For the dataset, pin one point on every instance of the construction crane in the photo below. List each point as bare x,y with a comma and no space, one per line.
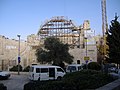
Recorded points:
104,25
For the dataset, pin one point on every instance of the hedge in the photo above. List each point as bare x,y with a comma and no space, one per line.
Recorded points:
15,68
2,87
94,66
26,69
84,79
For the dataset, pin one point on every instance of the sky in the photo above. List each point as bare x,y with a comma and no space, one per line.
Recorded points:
24,17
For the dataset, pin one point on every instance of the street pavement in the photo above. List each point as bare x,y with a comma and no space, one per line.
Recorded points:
16,82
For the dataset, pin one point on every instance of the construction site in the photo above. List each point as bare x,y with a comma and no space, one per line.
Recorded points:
80,38
81,41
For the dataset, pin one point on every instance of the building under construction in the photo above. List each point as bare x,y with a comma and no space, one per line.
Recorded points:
79,38
64,29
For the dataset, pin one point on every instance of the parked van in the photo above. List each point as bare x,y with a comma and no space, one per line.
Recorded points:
38,72
73,67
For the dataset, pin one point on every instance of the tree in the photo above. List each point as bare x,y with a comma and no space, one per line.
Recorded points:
41,55
113,41
54,51
100,51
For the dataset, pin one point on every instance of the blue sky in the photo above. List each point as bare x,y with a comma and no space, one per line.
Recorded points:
24,17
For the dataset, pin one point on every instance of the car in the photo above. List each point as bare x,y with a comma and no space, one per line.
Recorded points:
73,68
4,74
112,68
115,74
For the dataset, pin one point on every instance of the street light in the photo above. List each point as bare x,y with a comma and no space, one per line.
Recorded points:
86,57
86,45
19,56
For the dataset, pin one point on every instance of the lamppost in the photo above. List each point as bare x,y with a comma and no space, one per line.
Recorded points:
86,56
19,56
86,45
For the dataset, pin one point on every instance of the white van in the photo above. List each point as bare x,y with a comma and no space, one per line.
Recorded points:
73,68
38,72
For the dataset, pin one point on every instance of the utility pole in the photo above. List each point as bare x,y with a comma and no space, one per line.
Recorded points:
19,55
86,58
2,65
86,47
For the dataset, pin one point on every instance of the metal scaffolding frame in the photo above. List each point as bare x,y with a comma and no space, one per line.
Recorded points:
62,28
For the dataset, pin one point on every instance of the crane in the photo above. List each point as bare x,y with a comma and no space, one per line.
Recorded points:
104,24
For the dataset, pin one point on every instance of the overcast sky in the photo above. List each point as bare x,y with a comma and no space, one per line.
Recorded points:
24,17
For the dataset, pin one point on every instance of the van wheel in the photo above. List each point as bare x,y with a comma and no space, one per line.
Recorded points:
59,78
39,79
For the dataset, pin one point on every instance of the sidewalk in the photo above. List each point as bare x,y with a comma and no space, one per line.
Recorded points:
115,85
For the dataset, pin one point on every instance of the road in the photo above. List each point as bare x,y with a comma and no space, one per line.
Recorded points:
16,82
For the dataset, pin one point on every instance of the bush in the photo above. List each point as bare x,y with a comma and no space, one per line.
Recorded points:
2,87
26,69
15,68
84,79
94,66
44,85
87,79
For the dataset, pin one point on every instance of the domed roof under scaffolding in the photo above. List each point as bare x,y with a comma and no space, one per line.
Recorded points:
62,28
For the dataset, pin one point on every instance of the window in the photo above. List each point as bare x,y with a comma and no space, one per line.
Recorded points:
59,70
78,61
44,70
71,68
37,70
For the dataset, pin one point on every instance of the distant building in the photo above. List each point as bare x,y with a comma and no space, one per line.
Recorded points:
86,25
88,50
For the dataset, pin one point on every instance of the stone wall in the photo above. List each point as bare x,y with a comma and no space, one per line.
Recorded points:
9,51
79,54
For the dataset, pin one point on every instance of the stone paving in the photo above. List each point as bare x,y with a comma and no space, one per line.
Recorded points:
16,82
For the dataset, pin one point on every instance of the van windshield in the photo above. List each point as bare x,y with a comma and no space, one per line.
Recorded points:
71,68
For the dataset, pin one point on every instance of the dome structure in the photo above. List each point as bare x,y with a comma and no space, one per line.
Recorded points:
60,27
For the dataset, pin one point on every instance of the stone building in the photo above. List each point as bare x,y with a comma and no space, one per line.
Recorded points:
80,38
9,52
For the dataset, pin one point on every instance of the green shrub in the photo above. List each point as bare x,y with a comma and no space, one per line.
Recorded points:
26,69
84,79
29,86
94,66
87,79
84,66
44,85
15,68
2,87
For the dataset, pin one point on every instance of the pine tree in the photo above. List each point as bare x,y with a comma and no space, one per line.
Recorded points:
113,41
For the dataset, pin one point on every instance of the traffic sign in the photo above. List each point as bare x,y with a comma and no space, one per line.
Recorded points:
19,59
86,58
86,61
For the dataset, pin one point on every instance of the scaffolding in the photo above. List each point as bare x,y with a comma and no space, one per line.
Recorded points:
62,28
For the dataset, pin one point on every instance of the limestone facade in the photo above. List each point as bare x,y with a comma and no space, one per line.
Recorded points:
9,49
